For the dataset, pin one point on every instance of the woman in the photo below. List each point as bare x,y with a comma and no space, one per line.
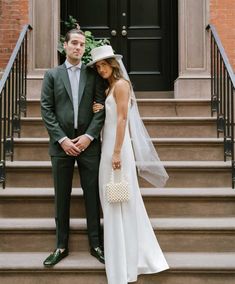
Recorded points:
130,244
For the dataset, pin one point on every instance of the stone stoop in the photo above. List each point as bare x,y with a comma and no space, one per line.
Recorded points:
169,149
152,107
182,174
174,234
159,202
177,127
193,217
193,268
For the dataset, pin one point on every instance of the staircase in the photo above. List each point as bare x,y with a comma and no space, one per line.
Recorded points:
193,217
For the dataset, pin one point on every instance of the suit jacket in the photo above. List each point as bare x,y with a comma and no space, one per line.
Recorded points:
57,107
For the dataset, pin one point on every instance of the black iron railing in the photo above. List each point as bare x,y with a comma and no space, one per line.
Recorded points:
13,85
222,95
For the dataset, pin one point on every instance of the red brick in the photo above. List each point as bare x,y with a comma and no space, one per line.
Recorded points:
222,16
13,16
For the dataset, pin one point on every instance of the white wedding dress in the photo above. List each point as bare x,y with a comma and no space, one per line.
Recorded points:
130,245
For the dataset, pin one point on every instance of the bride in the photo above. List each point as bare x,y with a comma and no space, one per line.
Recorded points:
130,245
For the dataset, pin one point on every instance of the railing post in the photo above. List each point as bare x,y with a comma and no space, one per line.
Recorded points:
232,136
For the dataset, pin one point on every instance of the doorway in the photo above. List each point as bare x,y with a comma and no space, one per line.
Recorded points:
144,32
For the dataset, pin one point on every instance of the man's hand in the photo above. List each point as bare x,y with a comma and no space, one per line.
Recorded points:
82,142
70,148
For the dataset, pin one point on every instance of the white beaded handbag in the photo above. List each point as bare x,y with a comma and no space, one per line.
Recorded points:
117,191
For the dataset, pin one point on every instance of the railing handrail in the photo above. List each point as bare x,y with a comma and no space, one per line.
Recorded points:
13,91
222,96
222,53
13,56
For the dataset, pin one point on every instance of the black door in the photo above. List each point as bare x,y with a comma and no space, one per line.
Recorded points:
144,32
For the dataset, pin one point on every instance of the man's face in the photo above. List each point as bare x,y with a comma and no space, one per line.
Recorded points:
75,48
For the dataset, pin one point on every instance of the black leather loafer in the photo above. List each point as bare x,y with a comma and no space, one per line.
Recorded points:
98,253
55,257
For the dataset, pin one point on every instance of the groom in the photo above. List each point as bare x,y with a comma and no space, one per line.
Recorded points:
67,96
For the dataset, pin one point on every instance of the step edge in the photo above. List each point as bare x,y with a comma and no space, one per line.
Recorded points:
146,119
178,262
211,164
220,224
186,140
145,192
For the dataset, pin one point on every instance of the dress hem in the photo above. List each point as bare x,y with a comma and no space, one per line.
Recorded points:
148,272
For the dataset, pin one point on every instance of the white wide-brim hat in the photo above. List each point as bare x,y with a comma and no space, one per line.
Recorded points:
102,52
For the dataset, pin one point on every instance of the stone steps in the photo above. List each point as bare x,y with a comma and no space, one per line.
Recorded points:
182,174
34,85
193,268
173,234
166,127
162,202
193,217
169,149
152,107
174,107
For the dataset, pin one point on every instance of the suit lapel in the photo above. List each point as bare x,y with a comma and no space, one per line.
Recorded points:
82,83
65,78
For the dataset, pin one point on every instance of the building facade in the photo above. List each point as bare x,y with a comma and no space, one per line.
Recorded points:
191,78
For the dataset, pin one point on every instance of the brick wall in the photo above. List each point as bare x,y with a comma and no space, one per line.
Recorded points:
222,15
13,16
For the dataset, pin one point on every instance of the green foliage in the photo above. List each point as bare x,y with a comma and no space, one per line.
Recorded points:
91,42
71,23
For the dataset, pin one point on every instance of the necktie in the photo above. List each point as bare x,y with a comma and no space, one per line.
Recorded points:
74,87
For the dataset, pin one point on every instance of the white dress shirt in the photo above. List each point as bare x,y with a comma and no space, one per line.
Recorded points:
75,95
74,83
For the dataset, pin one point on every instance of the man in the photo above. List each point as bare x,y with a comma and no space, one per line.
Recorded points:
68,93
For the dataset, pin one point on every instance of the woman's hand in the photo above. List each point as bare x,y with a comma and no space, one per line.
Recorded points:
116,161
97,107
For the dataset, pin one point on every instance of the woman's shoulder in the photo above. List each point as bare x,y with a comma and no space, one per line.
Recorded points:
121,89
122,84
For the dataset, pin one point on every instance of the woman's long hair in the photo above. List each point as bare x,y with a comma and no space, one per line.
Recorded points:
117,72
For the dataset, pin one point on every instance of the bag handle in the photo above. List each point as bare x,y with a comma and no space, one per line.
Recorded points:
117,171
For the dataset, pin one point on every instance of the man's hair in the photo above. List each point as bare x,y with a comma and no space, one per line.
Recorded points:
73,31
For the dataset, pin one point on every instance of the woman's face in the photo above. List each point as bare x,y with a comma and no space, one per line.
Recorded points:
104,69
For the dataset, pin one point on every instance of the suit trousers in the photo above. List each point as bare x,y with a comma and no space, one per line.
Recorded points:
63,168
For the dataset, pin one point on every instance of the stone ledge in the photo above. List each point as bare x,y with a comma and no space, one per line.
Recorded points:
160,224
75,262
223,192
167,164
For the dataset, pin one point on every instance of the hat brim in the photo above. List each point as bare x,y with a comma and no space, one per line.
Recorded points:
116,56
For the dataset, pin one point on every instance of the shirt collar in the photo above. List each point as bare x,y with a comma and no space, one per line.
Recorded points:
69,65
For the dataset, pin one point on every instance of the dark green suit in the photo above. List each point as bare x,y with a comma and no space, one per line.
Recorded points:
58,116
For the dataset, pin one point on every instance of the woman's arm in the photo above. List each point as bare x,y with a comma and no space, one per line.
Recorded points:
121,95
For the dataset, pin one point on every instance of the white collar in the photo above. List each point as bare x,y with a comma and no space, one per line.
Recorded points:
69,65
